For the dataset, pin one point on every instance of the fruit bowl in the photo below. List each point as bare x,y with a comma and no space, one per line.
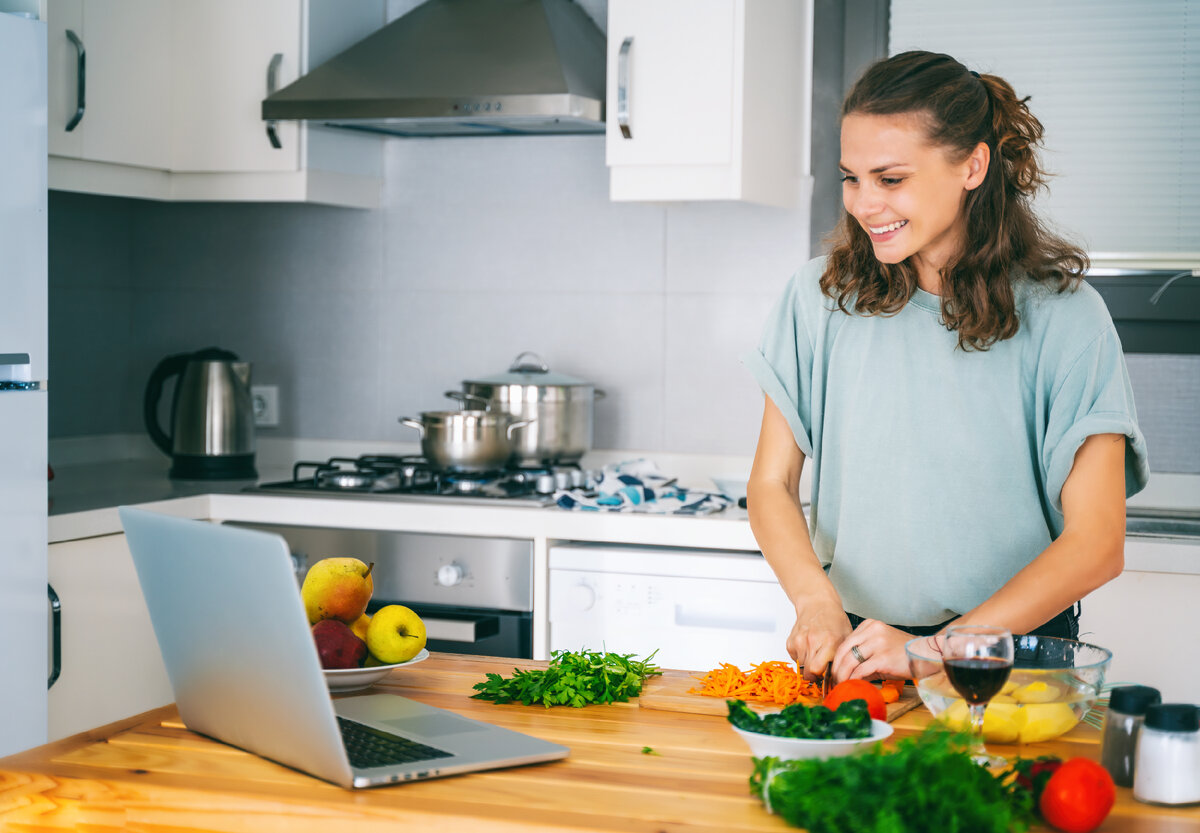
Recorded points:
341,680
794,749
1053,684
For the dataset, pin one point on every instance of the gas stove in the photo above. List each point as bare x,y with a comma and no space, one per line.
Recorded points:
384,477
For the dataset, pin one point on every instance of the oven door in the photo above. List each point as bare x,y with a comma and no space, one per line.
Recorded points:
467,630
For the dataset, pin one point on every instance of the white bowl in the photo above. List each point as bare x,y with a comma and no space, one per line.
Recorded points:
794,749
352,679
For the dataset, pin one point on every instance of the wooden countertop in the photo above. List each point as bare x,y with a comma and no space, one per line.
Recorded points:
149,773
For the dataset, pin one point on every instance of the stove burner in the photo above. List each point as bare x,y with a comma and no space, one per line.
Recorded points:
383,476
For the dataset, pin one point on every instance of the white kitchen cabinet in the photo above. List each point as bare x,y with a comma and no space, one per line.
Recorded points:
708,99
173,97
110,664
1149,617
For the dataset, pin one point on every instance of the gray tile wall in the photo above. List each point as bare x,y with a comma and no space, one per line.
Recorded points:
485,248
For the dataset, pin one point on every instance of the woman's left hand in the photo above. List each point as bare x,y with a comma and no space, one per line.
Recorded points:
881,648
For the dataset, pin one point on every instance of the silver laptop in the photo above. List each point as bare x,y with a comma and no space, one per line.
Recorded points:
243,665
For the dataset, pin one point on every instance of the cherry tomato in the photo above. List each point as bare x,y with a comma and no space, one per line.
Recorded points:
1078,796
857,690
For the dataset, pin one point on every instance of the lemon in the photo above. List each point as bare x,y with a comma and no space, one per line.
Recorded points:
1036,692
1042,721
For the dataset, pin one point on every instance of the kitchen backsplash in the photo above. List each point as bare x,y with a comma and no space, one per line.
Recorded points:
484,248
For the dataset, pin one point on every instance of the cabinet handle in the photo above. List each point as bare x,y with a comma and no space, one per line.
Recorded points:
272,84
80,80
623,87
55,636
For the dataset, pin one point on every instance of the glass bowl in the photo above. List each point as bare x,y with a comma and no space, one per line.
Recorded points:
1054,682
792,749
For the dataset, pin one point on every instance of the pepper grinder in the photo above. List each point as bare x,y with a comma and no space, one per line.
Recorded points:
1122,722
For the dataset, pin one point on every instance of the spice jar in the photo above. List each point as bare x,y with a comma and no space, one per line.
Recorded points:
1167,761
1122,723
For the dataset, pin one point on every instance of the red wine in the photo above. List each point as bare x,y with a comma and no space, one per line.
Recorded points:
978,679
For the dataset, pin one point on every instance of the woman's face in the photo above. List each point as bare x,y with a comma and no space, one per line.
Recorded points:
906,193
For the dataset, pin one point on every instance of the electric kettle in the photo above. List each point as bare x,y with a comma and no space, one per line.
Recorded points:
212,415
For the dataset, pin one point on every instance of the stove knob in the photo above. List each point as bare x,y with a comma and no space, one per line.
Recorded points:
583,596
577,478
562,480
449,575
544,484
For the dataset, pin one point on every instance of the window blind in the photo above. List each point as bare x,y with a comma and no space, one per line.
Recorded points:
1116,83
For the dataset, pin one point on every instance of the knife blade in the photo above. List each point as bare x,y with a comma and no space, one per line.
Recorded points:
825,679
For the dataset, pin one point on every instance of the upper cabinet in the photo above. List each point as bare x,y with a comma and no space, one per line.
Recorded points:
160,99
708,99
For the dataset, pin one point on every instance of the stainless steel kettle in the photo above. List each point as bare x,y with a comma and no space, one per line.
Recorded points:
212,415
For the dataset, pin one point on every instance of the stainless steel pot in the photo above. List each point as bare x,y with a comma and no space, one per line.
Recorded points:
467,440
559,407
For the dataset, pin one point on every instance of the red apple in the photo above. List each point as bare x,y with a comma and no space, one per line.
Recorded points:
337,646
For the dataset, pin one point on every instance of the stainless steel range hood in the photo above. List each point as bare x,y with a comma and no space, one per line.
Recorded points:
462,67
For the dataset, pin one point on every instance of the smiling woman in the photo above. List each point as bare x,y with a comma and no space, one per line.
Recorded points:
962,393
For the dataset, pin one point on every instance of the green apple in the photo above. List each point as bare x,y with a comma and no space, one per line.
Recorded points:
395,634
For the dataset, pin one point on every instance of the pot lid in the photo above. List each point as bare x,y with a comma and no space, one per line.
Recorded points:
528,369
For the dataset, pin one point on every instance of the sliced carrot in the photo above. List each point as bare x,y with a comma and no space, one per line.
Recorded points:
773,682
891,690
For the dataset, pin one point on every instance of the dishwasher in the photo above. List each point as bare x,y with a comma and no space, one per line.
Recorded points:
696,608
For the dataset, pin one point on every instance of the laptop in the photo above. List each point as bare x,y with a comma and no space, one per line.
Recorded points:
243,665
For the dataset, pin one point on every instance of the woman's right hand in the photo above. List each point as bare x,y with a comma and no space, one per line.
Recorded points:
820,627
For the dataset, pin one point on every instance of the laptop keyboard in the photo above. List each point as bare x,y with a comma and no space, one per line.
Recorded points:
370,747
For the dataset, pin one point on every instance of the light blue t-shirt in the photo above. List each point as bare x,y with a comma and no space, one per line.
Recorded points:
937,472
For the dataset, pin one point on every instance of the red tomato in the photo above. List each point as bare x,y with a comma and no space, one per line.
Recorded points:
857,690
1078,796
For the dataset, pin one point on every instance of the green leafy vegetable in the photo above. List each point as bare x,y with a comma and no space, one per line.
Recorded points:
927,783
573,678
851,720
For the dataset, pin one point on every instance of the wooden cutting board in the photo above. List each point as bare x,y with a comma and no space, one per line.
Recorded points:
670,693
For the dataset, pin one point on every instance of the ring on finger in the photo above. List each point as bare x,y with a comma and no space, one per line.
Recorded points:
857,654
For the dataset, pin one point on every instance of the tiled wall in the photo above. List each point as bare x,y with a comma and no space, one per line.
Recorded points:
485,248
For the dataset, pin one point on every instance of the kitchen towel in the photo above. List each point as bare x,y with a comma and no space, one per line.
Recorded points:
638,486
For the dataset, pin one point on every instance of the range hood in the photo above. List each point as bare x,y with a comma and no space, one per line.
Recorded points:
462,67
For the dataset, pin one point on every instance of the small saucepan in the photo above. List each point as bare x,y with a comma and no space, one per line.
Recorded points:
467,440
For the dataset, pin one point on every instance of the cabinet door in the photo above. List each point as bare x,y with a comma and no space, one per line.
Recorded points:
63,59
128,115
111,666
681,64
223,51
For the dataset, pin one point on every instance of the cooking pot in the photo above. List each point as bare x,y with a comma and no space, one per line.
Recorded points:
467,441
560,408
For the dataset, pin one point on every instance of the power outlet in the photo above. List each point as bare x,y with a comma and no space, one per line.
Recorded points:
266,405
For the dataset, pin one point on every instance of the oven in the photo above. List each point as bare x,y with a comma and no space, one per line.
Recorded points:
475,595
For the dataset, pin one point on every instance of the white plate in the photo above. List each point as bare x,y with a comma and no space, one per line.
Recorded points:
766,746
352,679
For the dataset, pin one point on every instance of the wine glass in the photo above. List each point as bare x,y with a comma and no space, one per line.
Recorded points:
978,660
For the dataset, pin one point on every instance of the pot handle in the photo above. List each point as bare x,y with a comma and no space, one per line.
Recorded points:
520,423
539,367
413,423
464,397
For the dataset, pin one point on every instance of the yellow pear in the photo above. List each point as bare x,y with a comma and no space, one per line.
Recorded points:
337,588
396,634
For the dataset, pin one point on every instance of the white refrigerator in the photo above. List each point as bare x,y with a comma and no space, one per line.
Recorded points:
24,662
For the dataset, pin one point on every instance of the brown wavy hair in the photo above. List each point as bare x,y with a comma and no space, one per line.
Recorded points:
1004,237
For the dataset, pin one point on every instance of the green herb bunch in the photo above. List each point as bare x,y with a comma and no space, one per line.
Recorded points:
852,719
927,783
573,678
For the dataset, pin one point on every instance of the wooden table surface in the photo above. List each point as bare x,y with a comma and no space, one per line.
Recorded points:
148,773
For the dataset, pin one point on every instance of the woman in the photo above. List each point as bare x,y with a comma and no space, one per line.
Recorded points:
961,394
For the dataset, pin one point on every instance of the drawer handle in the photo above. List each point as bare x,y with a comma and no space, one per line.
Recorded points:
80,80
55,636
272,84
623,87
461,630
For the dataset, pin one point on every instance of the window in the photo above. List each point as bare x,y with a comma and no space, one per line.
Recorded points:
1117,85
